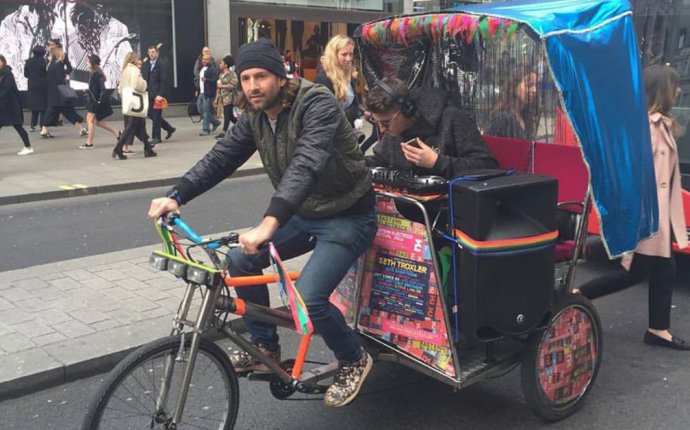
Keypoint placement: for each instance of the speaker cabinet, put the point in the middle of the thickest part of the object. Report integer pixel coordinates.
(505, 273)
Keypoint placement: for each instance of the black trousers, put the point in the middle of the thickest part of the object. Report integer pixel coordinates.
(159, 122)
(37, 117)
(23, 134)
(228, 116)
(659, 271)
(51, 115)
(126, 119)
(135, 126)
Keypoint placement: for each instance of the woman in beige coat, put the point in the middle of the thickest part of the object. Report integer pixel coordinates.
(653, 259)
(135, 126)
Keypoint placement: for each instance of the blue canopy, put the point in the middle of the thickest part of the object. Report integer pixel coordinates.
(593, 57)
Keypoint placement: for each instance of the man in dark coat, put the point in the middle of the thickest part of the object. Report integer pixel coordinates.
(208, 85)
(11, 107)
(156, 73)
(424, 134)
(35, 72)
(323, 201)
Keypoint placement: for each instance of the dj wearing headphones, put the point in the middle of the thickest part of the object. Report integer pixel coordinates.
(423, 133)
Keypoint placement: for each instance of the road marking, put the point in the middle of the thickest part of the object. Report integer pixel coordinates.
(66, 187)
(80, 186)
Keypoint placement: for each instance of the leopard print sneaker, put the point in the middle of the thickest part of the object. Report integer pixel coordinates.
(244, 362)
(347, 381)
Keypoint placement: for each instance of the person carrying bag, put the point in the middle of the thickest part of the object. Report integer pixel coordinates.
(97, 102)
(135, 106)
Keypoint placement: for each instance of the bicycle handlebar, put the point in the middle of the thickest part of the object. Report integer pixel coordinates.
(176, 220)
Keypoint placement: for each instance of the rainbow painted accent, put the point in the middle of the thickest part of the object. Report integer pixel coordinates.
(407, 29)
(289, 294)
(505, 247)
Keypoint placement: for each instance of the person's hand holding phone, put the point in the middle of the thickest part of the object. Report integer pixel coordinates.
(419, 153)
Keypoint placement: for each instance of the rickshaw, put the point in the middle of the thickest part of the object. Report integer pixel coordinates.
(467, 277)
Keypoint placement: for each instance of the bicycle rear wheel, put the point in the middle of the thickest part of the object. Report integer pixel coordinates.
(127, 397)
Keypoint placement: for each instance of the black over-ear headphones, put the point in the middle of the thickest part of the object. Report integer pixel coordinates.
(407, 107)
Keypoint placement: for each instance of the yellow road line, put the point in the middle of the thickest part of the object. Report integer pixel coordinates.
(66, 187)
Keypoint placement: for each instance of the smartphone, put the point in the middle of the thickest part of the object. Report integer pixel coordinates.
(412, 142)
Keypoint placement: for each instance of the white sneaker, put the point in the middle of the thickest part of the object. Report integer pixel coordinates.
(26, 151)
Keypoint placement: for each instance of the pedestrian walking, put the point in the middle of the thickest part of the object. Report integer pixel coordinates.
(227, 88)
(36, 73)
(11, 107)
(156, 73)
(653, 259)
(208, 82)
(198, 65)
(97, 102)
(56, 103)
(132, 91)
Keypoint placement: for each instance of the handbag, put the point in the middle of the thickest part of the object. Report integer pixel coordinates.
(66, 93)
(134, 103)
(161, 104)
(103, 108)
(193, 110)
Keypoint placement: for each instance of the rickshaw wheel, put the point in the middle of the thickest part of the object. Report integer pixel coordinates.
(560, 364)
(280, 389)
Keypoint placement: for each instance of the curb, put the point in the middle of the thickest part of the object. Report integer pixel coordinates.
(72, 372)
(113, 188)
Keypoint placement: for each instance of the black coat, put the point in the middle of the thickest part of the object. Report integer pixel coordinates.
(449, 130)
(35, 72)
(352, 112)
(10, 105)
(56, 76)
(211, 81)
(158, 80)
(95, 93)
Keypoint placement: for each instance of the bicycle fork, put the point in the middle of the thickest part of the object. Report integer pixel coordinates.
(205, 311)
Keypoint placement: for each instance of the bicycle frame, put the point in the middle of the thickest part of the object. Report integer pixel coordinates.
(212, 299)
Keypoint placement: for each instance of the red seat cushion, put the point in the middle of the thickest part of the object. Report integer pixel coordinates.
(510, 153)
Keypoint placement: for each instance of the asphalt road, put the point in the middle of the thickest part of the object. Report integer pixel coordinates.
(57, 230)
(639, 387)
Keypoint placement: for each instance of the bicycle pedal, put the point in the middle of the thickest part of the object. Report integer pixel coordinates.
(312, 389)
(256, 376)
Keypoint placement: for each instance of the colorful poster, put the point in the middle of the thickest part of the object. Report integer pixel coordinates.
(567, 357)
(399, 302)
(400, 286)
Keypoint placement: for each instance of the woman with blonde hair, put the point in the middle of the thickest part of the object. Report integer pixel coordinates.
(336, 74)
(131, 80)
(55, 104)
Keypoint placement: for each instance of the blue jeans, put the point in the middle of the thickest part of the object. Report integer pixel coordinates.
(337, 243)
(205, 106)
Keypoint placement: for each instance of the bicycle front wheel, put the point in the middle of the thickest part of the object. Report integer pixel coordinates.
(128, 397)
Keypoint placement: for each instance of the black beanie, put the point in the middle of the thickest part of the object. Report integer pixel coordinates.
(262, 54)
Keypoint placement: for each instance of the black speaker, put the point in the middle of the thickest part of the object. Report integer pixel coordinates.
(505, 271)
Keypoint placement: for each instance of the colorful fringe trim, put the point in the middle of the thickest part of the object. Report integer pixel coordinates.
(407, 29)
(506, 247)
(289, 294)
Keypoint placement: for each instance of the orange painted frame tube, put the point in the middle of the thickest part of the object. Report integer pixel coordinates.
(301, 355)
(245, 281)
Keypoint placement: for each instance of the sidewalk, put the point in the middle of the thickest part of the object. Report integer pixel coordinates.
(71, 319)
(58, 168)
(68, 320)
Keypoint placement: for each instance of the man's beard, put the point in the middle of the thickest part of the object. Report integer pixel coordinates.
(266, 102)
